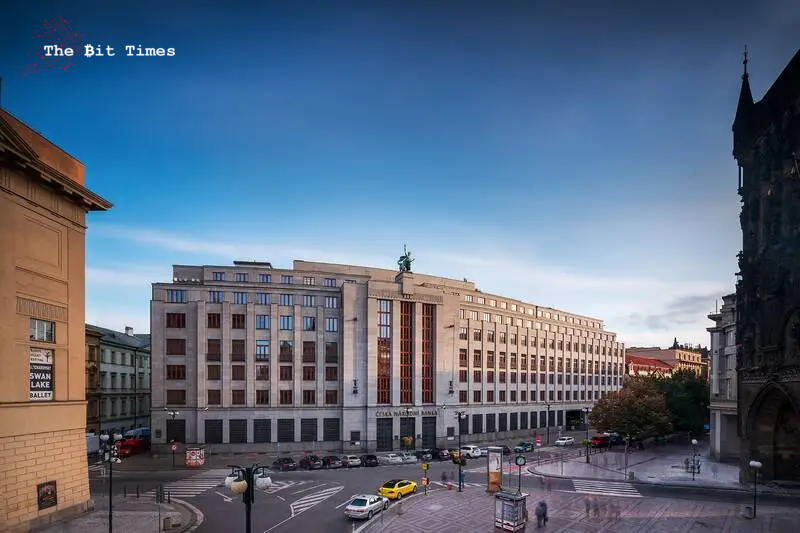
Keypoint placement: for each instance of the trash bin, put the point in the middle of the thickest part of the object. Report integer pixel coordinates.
(631, 476)
(510, 513)
(167, 524)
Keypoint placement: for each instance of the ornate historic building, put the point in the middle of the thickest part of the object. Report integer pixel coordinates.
(766, 145)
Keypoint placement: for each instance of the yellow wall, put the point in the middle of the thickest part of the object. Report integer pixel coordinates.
(42, 270)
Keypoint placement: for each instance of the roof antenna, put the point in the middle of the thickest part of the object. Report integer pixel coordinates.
(745, 61)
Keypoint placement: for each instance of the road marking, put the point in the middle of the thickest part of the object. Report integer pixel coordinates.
(606, 488)
(280, 485)
(345, 502)
(305, 503)
(310, 488)
(194, 485)
(227, 499)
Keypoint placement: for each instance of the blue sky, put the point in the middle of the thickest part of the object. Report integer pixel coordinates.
(578, 157)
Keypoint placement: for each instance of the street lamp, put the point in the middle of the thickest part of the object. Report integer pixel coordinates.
(547, 423)
(245, 480)
(586, 423)
(756, 466)
(694, 457)
(460, 415)
(108, 453)
(173, 414)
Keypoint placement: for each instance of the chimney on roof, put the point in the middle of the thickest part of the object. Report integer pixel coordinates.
(129, 331)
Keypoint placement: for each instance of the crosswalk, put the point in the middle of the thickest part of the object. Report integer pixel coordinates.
(455, 484)
(280, 485)
(194, 485)
(507, 469)
(310, 500)
(96, 467)
(606, 488)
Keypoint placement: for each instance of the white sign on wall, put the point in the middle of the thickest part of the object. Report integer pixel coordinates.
(41, 375)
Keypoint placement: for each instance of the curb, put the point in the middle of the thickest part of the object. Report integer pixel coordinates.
(197, 516)
(375, 519)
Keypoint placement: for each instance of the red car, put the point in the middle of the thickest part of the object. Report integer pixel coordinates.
(133, 442)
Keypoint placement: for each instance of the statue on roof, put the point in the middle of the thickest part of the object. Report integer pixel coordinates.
(404, 263)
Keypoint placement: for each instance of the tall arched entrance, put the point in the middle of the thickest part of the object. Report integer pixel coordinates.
(775, 434)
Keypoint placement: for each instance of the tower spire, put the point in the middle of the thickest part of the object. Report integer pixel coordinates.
(744, 63)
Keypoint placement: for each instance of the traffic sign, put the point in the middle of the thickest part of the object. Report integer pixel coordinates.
(538, 441)
(174, 447)
(424, 467)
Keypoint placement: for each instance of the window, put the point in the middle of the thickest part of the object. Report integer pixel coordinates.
(176, 397)
(262, 321)
(262, 298)
(329, 282)
(262, 350)
(384, 382)
(285, 373)
(285, 398)
(215, 297)
(476, 376)
(264, 278)
(238, 373)
(309, 397)
(406, 352)
(213, 372)
(287, 280)
(176, 320)
(286, 352)
(473, 315)
(214, 397)
(237, 321)
(462, 396)
(287, 299)
(332, 302)
(463, 361)
(42, 330)
(287, 323)
(331, 397)
(490, 396)
(176, 371)
(176, 346)
(309, 300)
(262, 372)
(237, 397)
(462, 376)
(428, 311)
(490, 336)
(332, 324)
(309, 323)
(213, 349)
(176, 296)
(332, 352)
(331, 373)
(218, 276)
(213, 320)
(237, 350)
(476, 396)
(307, 280)
(309, 373)
(240, 276)
(462, 334)
(262, 397)
(309, 351)
(477, 334)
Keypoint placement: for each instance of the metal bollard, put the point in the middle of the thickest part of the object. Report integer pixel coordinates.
(137, 491)
(169, 497)
(125, 491)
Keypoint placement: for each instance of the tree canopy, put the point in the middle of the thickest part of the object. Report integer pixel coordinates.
(688, 399)
(639, 409)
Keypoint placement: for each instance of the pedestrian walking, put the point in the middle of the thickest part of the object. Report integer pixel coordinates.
(587, 503)
(595, 508)
(715, 469)
(444, 477)
(549, 486)
(541, 514)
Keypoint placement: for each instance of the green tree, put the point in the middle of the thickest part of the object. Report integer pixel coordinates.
(687, 396)
(639, 409)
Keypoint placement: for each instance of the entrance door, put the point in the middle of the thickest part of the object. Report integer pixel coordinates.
(428, 431)
(407, 427)
(383, 438)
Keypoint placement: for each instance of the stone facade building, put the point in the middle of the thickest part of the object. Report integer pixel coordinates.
(43, 207)
(766, 146)
(349, 358)
(723, 406)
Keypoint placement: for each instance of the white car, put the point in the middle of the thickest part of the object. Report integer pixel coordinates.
(364, 506)
(470, 450)
(390, 459)
(565, 441)
(408, 457)
(350, 461)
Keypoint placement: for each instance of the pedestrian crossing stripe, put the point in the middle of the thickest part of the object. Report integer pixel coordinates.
(307, 502)
(194, 485)
(606, 488)
(97, 467)
(455, 484)
(280, 485)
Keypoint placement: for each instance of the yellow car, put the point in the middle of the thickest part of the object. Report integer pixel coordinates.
(395, 489)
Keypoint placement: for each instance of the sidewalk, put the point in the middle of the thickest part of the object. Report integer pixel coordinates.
(131, 514)
(443, 511)
(662, 465)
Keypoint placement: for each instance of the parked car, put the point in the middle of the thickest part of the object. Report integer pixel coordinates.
(364, 506)
(565, 441)
(600, 441)
(523, 447)
(440, 454)
(424, 455)
(332, 461)
(390, 459)
(134, 441)
(350, 461)
(408, 457)
(470, 451)
(506, 449)
(369, 460)
(311, 462)
(614, 437)
(284, 464)
(395, 489)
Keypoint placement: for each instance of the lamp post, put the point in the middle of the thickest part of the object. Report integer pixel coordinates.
(756, 466)
(547, 423)
(586, 423)
(108, 452)
(694, 457)
(173, 414)
(245, 480)
(460, 415)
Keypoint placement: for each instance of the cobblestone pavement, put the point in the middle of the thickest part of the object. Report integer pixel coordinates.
(450, 512)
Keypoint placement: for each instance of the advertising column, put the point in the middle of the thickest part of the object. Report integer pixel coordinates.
(494, 469)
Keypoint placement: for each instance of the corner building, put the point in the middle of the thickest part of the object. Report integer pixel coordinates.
(352, 359)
